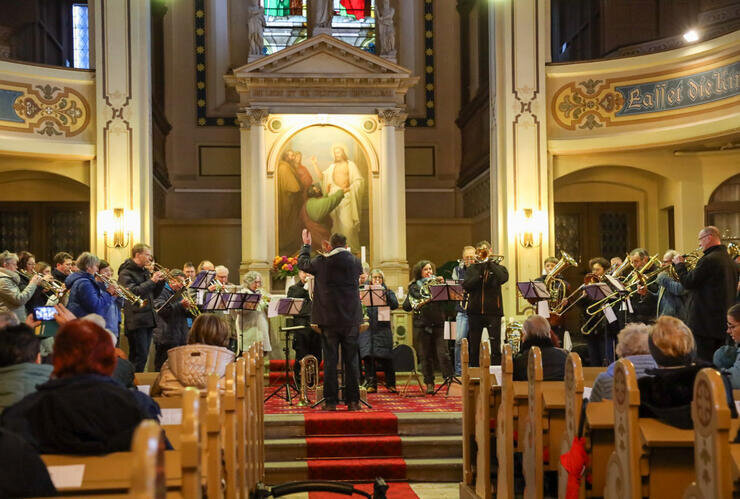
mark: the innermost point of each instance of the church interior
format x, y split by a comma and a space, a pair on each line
389, 248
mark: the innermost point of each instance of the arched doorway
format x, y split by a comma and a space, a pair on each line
723, 210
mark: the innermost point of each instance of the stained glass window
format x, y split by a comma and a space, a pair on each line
285, 24
81, 36
354, 23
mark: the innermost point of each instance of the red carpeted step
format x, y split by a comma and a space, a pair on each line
356, 469
350, 423
365, 446
397, 490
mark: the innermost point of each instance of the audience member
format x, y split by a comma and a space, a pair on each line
22, 472
20, 364
536, 333
205, 353
83, 410
8, 319
632, 344
124, 371
727, 357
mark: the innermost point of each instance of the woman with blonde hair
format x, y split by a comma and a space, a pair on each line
190, 365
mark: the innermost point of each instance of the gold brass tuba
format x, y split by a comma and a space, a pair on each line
556, 292
309, 378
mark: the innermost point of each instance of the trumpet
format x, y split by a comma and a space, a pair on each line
484, 255
309, 378
122, 292
53, 286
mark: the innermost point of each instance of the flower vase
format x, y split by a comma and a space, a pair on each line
289, 281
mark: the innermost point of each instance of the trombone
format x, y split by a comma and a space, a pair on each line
122, 292
50, 286
484, 255
637, 276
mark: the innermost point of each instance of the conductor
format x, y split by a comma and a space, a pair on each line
338, 313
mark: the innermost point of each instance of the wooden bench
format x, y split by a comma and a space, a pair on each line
573, 394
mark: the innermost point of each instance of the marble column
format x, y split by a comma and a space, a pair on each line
255, 247
121, 175
519, 166
390, 240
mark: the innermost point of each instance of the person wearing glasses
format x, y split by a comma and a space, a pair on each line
711, 287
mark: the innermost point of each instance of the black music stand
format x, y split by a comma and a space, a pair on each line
201, 282
448, 291
287, 306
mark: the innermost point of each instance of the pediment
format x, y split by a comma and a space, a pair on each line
322, 56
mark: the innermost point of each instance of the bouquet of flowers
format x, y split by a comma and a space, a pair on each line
285, 266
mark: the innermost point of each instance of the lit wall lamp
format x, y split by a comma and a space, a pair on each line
117, 226
530, 224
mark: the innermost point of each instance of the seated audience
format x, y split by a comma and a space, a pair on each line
727, 357
666, 392
536, 332
206, 352
8, 319
124, 371
632, 344
22, 472
82, 410
20, 364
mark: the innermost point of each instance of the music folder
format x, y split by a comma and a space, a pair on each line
289, 306
449, 291
533, 291
216, 301
243, 301
615, 284
203, 279
373, 296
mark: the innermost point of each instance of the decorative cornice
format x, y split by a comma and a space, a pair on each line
394, 116
252, 116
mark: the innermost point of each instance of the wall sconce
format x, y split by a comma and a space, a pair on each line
530, 224
117, 225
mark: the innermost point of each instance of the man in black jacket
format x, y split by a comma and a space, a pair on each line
645, 301
483, 282
62, 266
306, 341
711, 288
337, 310
140, 321
175, 318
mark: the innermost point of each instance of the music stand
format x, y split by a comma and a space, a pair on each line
203, 279
214, 302
448, 291
291, 307
536, 293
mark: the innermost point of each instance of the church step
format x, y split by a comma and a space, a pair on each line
437, 446
278, 426
417, 470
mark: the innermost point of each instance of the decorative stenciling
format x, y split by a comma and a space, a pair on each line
46, 109
597, 103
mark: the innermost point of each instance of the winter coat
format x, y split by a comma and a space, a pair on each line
553, 359
22, 472
727, 359
174, 330
336, 293
427, 316
377, 340
711, 288
12, 297
644, 307
671, 297
38, 299
18, 380
87, 296
483, 283
604, 384
86, 414
138, 281
190, 365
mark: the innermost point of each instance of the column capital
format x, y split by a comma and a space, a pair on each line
392, 116
252, 116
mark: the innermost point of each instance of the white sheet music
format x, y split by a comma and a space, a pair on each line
543, 309
170, 417
587, 392
384, 313
272, 308
67, 476
610, 315
450, 331
144, 388
496, 371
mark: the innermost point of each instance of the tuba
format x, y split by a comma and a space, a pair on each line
309, 378
514, 335
556, 291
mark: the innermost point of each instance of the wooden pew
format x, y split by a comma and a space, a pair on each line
532, 466
505, 428
116, 473
573, 390
147, 446
599, 434
712, 458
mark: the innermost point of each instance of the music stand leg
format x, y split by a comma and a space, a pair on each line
447, 383
287, 384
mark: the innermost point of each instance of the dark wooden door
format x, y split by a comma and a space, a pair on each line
587, 230
44, 229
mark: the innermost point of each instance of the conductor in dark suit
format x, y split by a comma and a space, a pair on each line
338, 312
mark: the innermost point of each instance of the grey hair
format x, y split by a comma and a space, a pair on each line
365, 268
87, 260
712, 231
536, 326
7, 257
221, 269
377, 272
670, 254
633, 339
640, 251
250, 277
8, 319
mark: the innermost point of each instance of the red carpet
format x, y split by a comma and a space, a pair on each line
370, 446
350, 423
397, 490
357, 469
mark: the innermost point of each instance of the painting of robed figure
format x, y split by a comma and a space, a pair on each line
322, 183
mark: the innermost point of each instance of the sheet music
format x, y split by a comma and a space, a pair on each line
610, 315
450, 331
629, 306
384, 314
543, 309
66, 476
170, 417
587, 392
272, 308
144, 388
496, 371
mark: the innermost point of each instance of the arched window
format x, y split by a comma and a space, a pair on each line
723, 210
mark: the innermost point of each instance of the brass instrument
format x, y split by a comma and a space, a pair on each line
426, 294
514, 331
733, 250
122, 292
690, 260
623, 267
565, 262
484, 255
309, 378
52, 285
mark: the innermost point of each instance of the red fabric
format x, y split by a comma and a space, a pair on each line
373, 446
350, 423
574, 462
357, 469
354, 7
492, 424
396, 490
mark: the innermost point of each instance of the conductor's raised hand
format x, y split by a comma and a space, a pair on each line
306, 237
